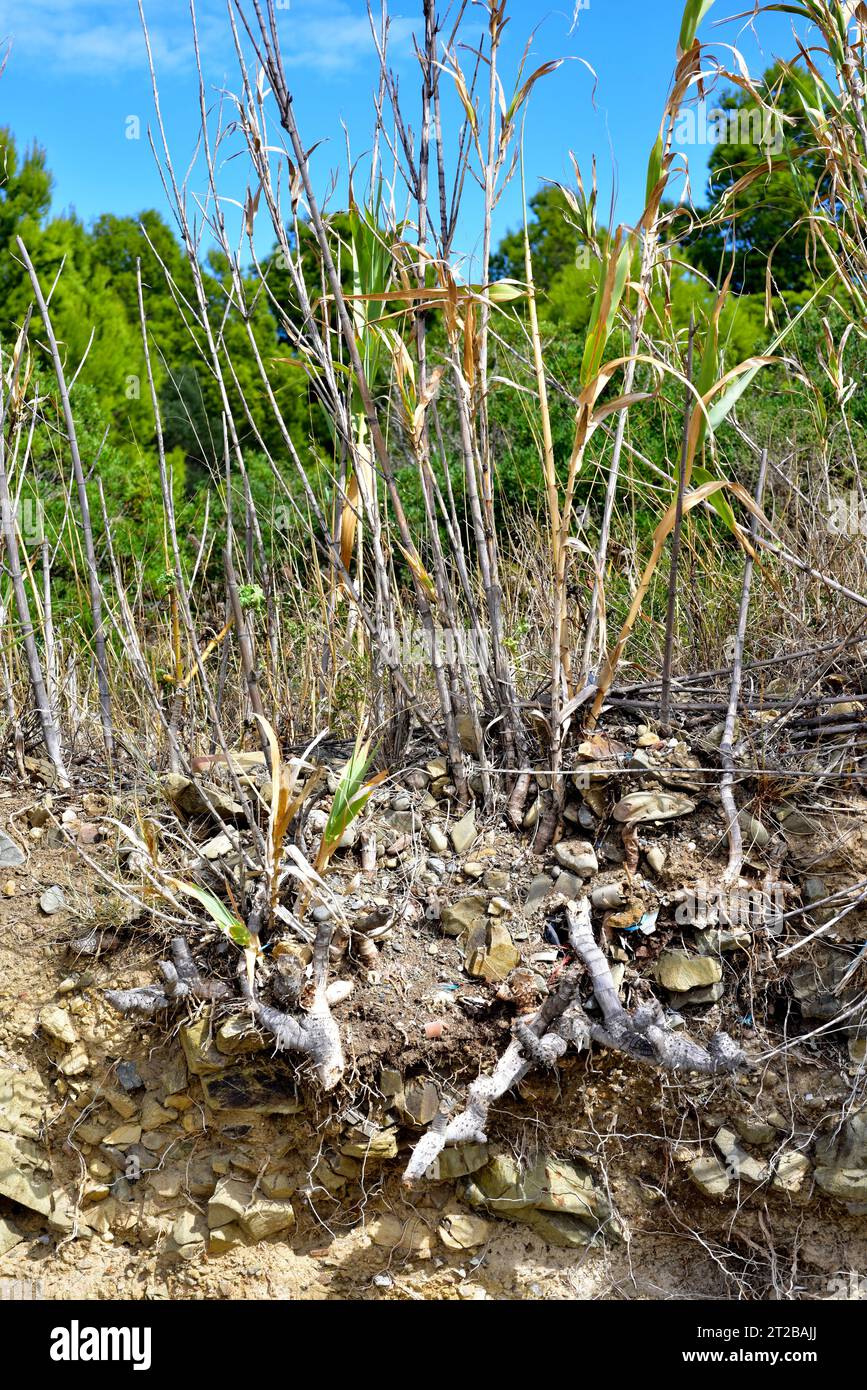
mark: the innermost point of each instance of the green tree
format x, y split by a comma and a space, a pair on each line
763, 221
555, 244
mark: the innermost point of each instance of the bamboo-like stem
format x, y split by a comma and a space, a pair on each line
31, 652
671, 612
84, 507
727, 797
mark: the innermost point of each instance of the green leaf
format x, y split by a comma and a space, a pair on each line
504, 291
718, 500
225, 920
693, 13
729, 399
654, 169
612, 278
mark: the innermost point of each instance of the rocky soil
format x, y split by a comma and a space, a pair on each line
181, 1158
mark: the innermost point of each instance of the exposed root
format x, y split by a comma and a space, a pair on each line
643, 1034
181, 980
314, 1033
560, 1021
541, 1041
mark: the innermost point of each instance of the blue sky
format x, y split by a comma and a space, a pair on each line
76, 73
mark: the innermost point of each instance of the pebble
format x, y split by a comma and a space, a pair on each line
128, 1076
58, 1025
52, 901
437, 839
656, 859
578, 856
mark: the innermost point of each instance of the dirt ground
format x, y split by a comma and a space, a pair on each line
636, 1130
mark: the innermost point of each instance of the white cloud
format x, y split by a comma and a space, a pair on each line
334, 36
103, 37
93, 39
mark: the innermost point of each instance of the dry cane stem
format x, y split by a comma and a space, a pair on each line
727, 795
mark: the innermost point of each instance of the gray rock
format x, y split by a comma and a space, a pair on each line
814, 985
350, 836
10, 854
716, 939
374, 1147
569, 885
22, 1102
235, 1200
814, 889
738, 1161
458, 1162
459, 1230
490, 952
842, 1159
419, 1103
846, 1184
463, 832
497, 881
755, 835
9, 1236
25, 1180
218, 847
190, 1229
754, 1129
694, 997
790, 1170
652, 805
538, 890
128, 1076
193, 798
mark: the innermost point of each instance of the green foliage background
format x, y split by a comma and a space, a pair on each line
95, 310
